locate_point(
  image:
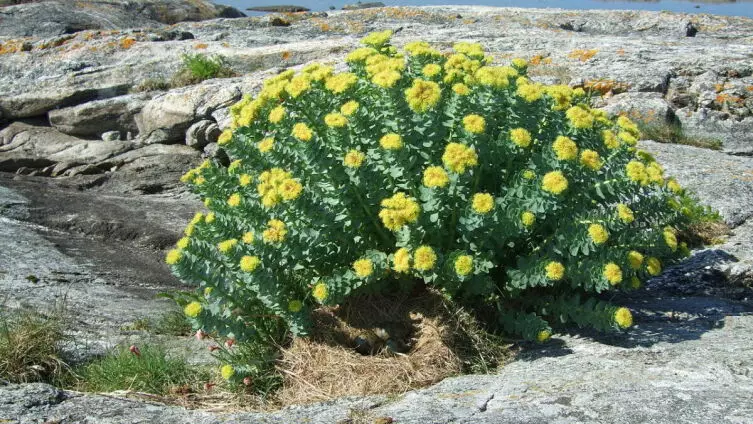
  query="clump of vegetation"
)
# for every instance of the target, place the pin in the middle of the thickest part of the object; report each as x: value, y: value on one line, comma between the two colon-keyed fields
x: 199, y: 67
x: 513, y: 199
x: 30, y: 347
x: 143, y: 369
x: 673, y: 133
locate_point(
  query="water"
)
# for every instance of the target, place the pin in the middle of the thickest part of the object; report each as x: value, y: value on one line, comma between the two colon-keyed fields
x: 718, y: 7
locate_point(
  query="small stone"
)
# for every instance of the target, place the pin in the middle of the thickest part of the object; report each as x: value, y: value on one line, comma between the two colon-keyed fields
x: 111, y: 136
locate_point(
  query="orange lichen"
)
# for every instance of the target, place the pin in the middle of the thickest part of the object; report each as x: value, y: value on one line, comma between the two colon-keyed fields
x: 604, y: 86
x: 286, y: 55
x: 127, y: 43
x: 200, y: 46
x: 582, y: 55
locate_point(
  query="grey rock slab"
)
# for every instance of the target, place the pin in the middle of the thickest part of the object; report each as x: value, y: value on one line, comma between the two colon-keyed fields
x: 648, y: 107
x: 722, y: 181
x: 92, y: 119
x: 196, y: 135
x: 736, y: 135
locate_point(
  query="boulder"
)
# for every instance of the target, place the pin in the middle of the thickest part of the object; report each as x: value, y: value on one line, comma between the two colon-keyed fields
x: 202, y: 133
x: 94, y: 118
x: 647, y: 107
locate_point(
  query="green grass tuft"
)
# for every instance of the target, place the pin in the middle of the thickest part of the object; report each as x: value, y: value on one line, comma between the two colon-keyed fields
x: 199, y: 67
x: 674, y: 134
x: 30, y: 346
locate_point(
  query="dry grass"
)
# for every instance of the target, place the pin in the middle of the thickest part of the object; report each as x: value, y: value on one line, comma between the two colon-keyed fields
x: 439, y: 341
x: 706, y: 233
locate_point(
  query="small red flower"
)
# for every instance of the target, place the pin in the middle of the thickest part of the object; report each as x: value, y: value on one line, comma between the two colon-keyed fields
x: 212, y: 348
x: 135, y: 350
x: 230, y: 342
x: 200, y: 335
x: 247, y: 381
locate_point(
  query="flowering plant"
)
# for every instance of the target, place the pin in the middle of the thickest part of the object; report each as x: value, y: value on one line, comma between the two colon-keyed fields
x: 432, y: 168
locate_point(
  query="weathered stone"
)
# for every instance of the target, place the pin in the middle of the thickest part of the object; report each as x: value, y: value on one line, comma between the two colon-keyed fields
x: 196, y: 135
x: 94, y: 118
x: 366, y: 5
x: 648, y: 107
x: 111, y: 136
x: 736, y: 135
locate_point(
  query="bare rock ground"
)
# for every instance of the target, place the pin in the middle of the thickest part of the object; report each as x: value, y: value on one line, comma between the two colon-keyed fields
x: 89, y: 219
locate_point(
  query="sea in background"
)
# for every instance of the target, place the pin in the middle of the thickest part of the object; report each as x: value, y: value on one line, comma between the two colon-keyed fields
x: 717, y: 7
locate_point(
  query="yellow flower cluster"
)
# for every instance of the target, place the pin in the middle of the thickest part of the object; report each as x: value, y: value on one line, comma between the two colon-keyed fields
x: 565, y: 148
x: 335, y: 120
x: 461, y: 89
x: 398, y: 211
x: 387, y: 78
x: 340, y: 83
x: 423, y: 95
x: 377, y: 39
x: 183, y: 243
x: 655, y: 172
x: 421, y: 48
x: 244, y: 180
x: 401, y: 260
x: 193, y: 309
x: 227, y: 245
x: 530, y: 92
x: 554, y: 182
x: 320, y: 292
x: 653, y: 266
x: 248, y: 237
x: 474, y: 124
x: 562, y: 96
x: 431, y: 70
x: 276, y: 185
x: 318, y: 72
x: 349, y: 108
x: 363, y: 267
x: 482, y: 203
x: 635, y: 259
x: 266, y: 144
x: 457, y: 157
x: 225, y: 137
x: 275, y: 231
x: 543, y: 336
x: 625, y: 213
x: 354, y: 159
x: 612, y: 273
x: 591, y: 160
x: 579, y: 117
x: 227, y: 371
x: 234, y: 200
x: 623, y: 317
x: 435, y: 176
x: 636, y: 171
x: 474, y: 50
x: 670, y: 239
x: 598, y: 233
x: 424, y: 258
x: 674, y: 186
x: 276, y: 115
x: 302, y: 132
x: 295, y: 306
x: 360, y: 54
x: 527, y: 218
x: 555, y: 271
x: 298, y: 85
x: 610, y: 139
x: 249, y: 263
x: 380, y: 63
x: 463, y: 265
x: 173, y: 257
x: 521, y: 137
x: 391, y: 141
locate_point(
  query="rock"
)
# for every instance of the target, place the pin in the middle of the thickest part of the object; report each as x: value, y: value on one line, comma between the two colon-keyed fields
x: 57, y: 17
x: 196, y: 135
x: 359, y: 5
x: 38, y: 147
x: 688, y: 29
x: 736, y: 135
x: 94, y: 118
x: 111, y: 136
x: 277, y: 21
x: 166, y: 118
x: 278, y: 9
x: 213, y: 150
x: 647, y: 107
x: 36, y: 103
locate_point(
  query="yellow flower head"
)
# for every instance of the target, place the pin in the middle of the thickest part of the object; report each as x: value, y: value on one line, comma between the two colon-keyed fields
x: 354, y: 159
x: 554, y: 182
x: 612, y: 273
x: 320, y: 292
x: 670, y: 239
x: 598, y: 233
x: 474, y: 124
x: 302, y: 132
x: 193, y: 309
x: 565, y: 148
x: 627, y: 125
x: 349, y: 108
x: 298, y: 85
x: 398, y: 211
x: 625, y: 213
x: 674, y: 186
x: 579, y: 117
x: 401, y: 260
x: 234, y: 165
x: 636, y: 171
x: 635, y: 283
x: 457, y: 157
x: 463, y: 265
x: 424, y: 258
x: 635, y: 259
x: 561, y: 94
x: 209, y: 218
x: 227, y: 371
x: 377, y: 39
x: 173, y: 256
x: 335, y: 120
x: 591, y: 160
x: 527, y: 218
x: 530, y: 92
x: 610, y: 139
x: 653, y: 266
x: 655, y: 172
x: 360, y: 54
x: 276, y: 114
x: 543, y: 336
x: 234, y: 200
x: 249, y: 263
x: 520, y: 63
x: 431, y: 70
x: 248, y: 237
x: 275, y: 231
x: 555, y: 271
x: 435, y: 176
x: 623, y: 317
x: 227, y: 245
x: 482, y: 203
x: 391, y: 141
x: 244, y: 180
x: 266, y: 144
x: 387, y: 78
x: 363, y: 267
x: 225, y: 137
x: 295, y: 306
x: 341, y: 82
x: 497, y: 77
x: 423, y: 95
x: 183, y: 243
x: 521, y: 137
x: 528, y: 174
x: 461, y: 89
